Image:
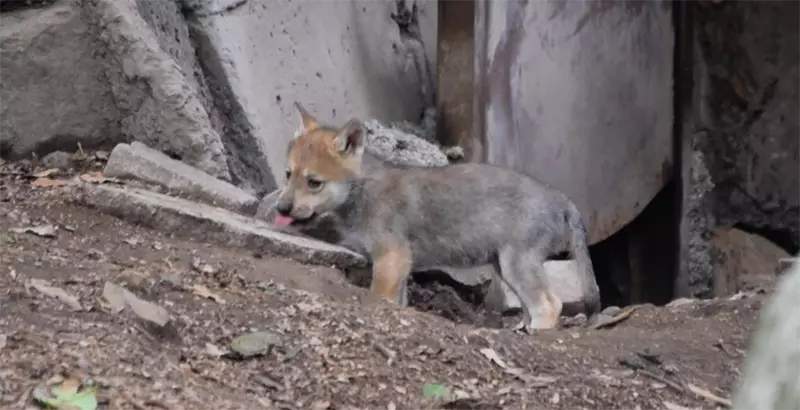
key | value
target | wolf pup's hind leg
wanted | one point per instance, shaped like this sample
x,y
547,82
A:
x,y
523,271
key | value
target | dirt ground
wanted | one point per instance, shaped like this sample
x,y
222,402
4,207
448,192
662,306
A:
x,y
341,348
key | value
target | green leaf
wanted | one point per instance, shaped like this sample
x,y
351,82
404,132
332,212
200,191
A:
x,y
435,391
66,398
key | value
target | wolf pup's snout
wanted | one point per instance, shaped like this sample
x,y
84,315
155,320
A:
x,y
284,208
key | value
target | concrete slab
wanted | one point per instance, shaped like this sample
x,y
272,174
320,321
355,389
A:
x,y
265,55
141,162
201,222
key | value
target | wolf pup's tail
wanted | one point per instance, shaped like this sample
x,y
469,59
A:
x,y
579,249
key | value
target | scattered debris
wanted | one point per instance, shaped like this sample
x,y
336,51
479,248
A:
x,y
45,231
256,343
203,291
200,267
56,293
673,406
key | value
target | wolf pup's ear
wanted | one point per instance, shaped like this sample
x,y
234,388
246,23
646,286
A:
x,y
350,139
307,121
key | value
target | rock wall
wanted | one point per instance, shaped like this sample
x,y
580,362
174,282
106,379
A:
x,y
209,82
741,157
579,95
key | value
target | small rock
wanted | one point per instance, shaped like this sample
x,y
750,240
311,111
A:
x,y
602,319
201,267
132,278
680,302
574,321
256,343
611,310
57,159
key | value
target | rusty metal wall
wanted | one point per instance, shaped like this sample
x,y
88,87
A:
x,y
578,95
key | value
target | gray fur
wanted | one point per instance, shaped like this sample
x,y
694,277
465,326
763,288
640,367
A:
x,y
467,215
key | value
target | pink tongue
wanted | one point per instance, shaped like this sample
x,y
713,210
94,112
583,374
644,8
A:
x,y
281,220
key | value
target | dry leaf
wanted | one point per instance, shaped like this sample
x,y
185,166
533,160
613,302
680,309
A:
x,y
673,406
203,291
46,231
49,183
56,293
96,177
321,405
708,395
45,173
146,310
494,357
118,298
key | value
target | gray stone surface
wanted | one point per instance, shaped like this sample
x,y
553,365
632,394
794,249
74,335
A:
x,y
52,89
207,223
398,146
144,163
158,103
589,109
96,71
266,55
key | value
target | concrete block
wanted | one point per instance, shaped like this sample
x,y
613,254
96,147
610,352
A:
x,y
160,104
147,164
265,55
206,223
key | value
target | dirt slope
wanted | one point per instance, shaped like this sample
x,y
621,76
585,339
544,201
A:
x,y
342,348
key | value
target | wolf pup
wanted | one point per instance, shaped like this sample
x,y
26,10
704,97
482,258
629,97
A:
x,y
463,215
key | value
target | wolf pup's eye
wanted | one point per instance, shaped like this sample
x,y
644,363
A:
x,y
288,174
314,184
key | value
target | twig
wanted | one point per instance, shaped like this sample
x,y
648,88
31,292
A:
x,y
385,351
709,396
675,386
625,314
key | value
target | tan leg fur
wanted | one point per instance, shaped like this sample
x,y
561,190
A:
x,y
390,270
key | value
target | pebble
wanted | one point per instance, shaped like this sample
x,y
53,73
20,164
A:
x,y
57,159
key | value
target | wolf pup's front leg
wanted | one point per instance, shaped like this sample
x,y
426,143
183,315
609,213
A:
x,y
390,269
